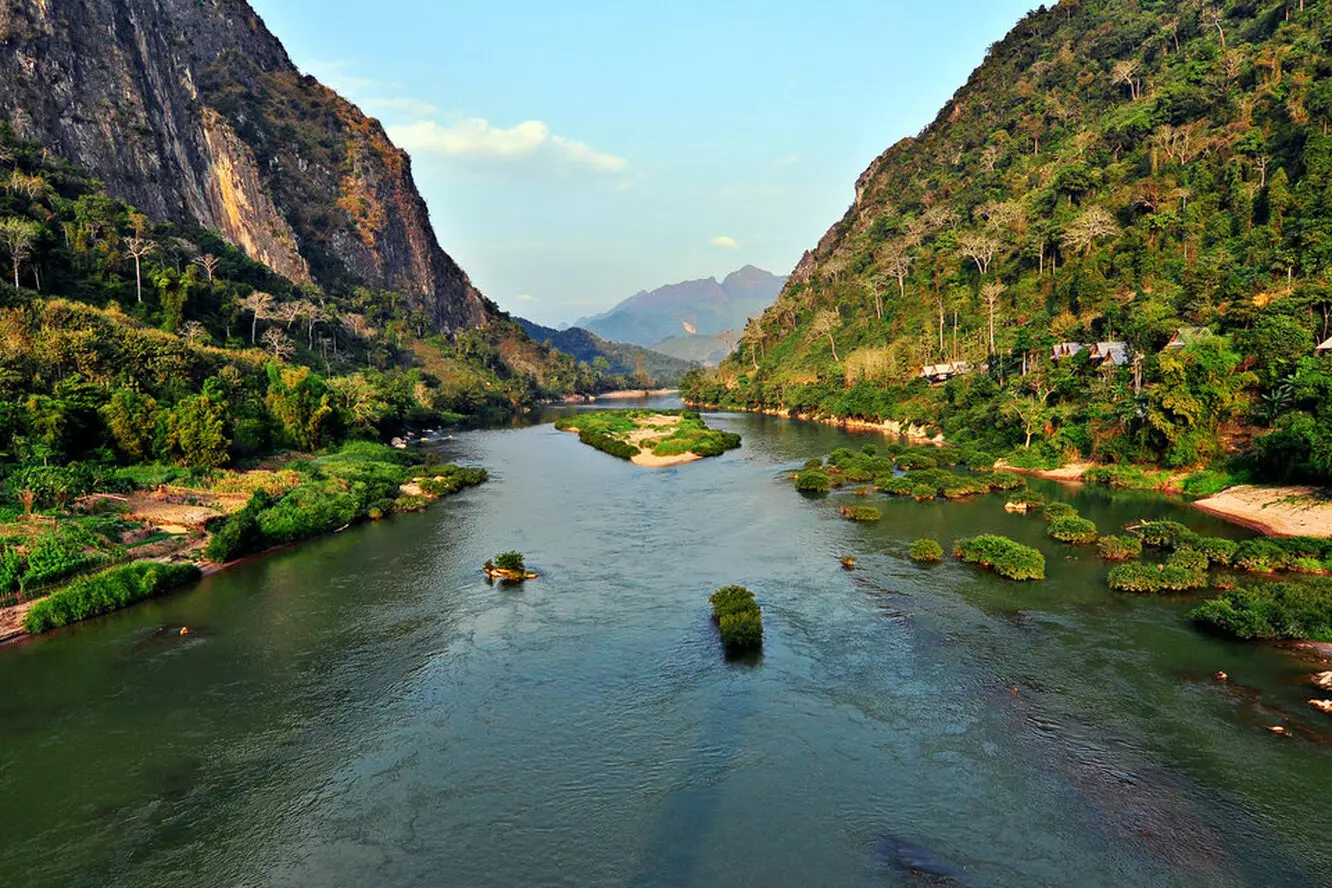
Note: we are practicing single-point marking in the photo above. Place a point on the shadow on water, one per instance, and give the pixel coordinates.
(916, 864)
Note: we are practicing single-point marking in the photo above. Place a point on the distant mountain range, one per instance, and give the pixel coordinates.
(668, 318)
(623, 358)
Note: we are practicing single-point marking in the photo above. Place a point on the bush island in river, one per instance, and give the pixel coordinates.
(1003, 556)
(861, 513)
(738, 617)
(1072, 529)
(665, 433)
(1271, 611)
(926, 550)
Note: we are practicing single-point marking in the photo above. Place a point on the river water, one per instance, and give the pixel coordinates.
(367, 710)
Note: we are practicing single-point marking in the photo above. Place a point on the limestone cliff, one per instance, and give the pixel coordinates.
(192, 111)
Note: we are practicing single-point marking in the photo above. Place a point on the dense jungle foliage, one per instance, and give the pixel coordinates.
(126, 341)
(1152, 174)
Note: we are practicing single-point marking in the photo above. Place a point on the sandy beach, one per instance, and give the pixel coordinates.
(1277, 511)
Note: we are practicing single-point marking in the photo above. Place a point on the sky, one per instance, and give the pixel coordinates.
(575, 153)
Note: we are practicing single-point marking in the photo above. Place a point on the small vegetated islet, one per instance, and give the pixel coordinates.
(1271, 611)
(861, 513)
(1072, 529)
(926, 550)
(1119, 547)
(739, 618)
(1005, 557)
(607, 430)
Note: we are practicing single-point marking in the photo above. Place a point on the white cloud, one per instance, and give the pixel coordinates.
(724, 241)
(786, 161)
(408, 106)
(477, 139)
(526, 297)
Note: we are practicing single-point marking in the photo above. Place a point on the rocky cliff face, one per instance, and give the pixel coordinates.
(192, 111)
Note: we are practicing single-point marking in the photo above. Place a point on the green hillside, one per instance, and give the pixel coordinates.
(124, 340)
(1113, 172)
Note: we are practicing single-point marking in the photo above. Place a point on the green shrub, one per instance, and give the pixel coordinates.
(1004, 556)
(1126, 478)
(607, 444)
(1271, 610)
(1166, 534)
(738, 617)
(1029, 499)
(1188, 559)
(11, 568)
(813, 480)
(1055, 511)
(1005, 481)
(1260, 555)
(105, 592)
(1138, 577)
(510, 561)
(977, 460)
(813, 463)
(915, 460)
(1119, 548)
(896, 485)
(960, 487)
(861, 513)
(924, 492)
(1218, 550)
(239, 534)
(926, 549)
(59, 554)
(1210, 482)
(1072, 530)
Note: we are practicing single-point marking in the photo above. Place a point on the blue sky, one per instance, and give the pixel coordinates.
(575, 153)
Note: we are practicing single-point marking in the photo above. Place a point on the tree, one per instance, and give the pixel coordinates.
(1126, 73)
(208, 262)
(824, 323)
(1082, 234)
(990, 294)
(138, 247)
(258, 304)
(979, 248)
(896, 263)
(279, 343)
(1031, 409)
(193, 332)
(18, 236)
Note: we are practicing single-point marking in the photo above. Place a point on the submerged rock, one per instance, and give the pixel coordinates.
(918, 863)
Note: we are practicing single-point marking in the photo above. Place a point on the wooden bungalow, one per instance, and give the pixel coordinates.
(1186, 336)
(1061, 350)
(944, 372)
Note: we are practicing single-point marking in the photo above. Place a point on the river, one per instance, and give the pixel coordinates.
(366, 710)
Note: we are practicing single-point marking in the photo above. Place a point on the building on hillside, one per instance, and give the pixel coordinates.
(1186, 336)
(944, 372)
(1061, 350)
(1110, 354)
(1324, 348)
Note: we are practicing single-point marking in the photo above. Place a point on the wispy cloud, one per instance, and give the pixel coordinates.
(725, 241)
(477, 139)
(404, 105)
(526, 297)
(786, 161)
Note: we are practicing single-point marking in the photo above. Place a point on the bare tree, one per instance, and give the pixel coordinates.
(979, 248)
(1125, 73)
(990, 157)
(193, 331)
(286, 313)
(139, 247)
(1082, 232)
(896, 262)
(990, 294)
(208, 262)
(754, 336)
(18, 236)
(1261, 163)
(356, 324)
(1213, 18)
(279, 342)
(824, 323)
(258, 304)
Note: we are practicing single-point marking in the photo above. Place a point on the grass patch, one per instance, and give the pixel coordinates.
(861, 513)
(926, 550)
(1271, 611)
(105, 592)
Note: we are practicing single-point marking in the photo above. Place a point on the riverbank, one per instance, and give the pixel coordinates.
(1275, 511)
(912, 433)
(633, 394)
(228, 518)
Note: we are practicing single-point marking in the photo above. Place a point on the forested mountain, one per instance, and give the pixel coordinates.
(126, 340)
(638, 365)
(701, 307)
(1116, 171)
(193, 113)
